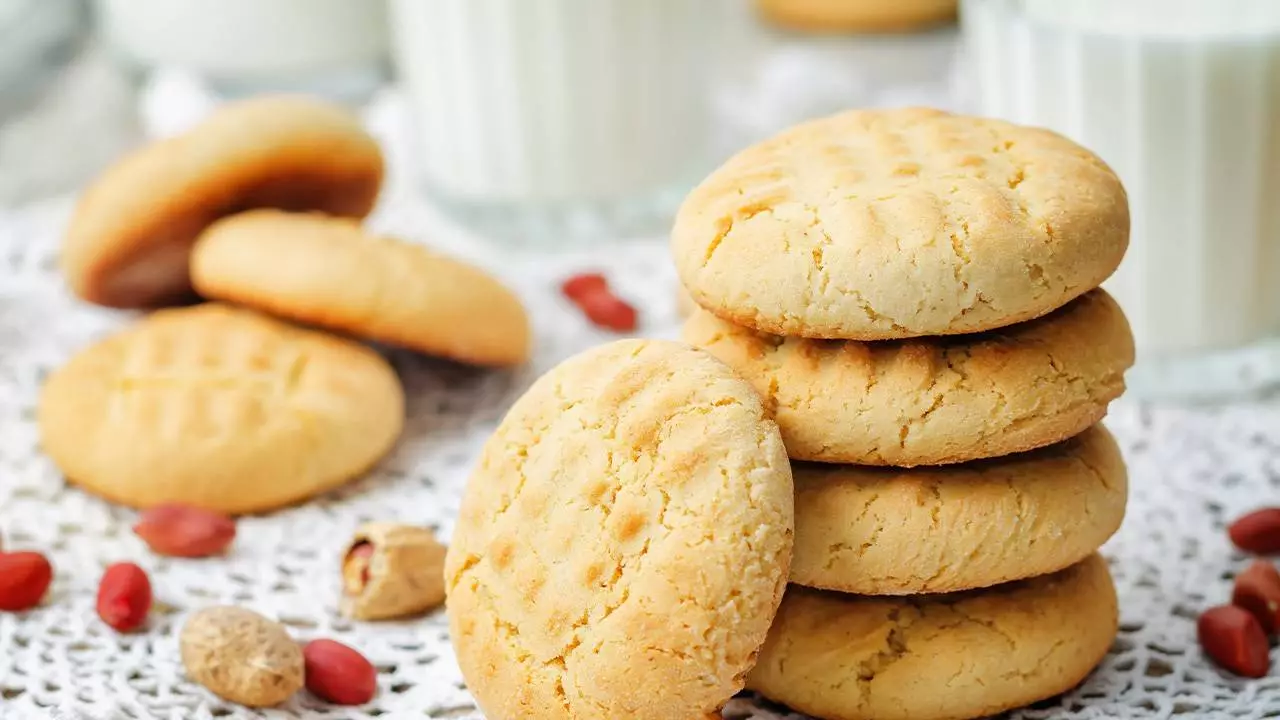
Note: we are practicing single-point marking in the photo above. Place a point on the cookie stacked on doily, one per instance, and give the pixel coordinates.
(915, 296)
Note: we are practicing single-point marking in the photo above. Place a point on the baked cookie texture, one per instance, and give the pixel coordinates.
(624, 543)
(937, 400)
(885, 531)
(328, 272)
(883, 224)
(940, 657)
(130, 236)
(858, 15)
(220, 408)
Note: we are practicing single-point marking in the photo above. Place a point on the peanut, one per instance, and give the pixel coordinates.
(591, 293)
(185, 531)
(24, 579)
(1257, 590)
(241, 656)
(392, 571)
(1234, 639)
(1258, 532)
(339, 674)
(124, 597)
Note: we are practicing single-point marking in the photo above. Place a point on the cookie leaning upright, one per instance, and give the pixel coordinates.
(130, 236)
(219, 408)
(327, 272)
(884, 224)
(624, 543)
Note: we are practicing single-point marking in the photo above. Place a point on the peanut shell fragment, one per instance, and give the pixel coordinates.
(390, 571)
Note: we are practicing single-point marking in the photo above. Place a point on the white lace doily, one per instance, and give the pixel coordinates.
(1191, 471)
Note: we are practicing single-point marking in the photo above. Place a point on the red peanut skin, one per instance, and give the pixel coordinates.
(1258, 532)
(607, 311)
(584, 284)
(185, 531)
(124, 597)
(339, 674)
(24, 579)
(1234, 639)
(1257, 590)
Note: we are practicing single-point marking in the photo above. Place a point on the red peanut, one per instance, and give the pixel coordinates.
(591, 293)
(1235, 640)
(1257, 590)
(24, 579)
(124, 597)
(579, 286)
(339, 674)
(185, 531)
(1258, 532)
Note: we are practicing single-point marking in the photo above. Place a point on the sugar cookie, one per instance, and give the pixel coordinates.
(882, 224)
(130, 237)
(937, 400)
(623, 544)
(219, 408)
(328, 272)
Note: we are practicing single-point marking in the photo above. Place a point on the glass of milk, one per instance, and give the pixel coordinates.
(336, 48)
(1182, 99)
(554, 121)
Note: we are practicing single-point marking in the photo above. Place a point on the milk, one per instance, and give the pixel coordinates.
(546, 106)
(253, 44)
(1182, 99)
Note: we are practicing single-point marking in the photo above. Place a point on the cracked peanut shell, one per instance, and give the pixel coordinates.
(403, 573)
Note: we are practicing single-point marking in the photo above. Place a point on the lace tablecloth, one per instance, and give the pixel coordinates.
(1192, 470)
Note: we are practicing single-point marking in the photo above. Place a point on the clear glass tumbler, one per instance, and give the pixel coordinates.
(552, 121)
(1182, 99)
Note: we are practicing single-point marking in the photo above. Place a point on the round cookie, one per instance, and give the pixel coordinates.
(937, 400)
(885, 531)
(858, 15)
(219, 408)
(940, 657)
(130, 237)
(624, 542)
(328, 272)
(883, 224)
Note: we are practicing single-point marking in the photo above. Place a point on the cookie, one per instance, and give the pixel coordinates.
(885, 531)
(326, 271)
(857, 15)
(622, 547)
(938, 657)
(883, 224)
(131, 234)
(220, 408)
(936, 400)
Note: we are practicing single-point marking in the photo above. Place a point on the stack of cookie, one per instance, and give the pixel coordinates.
(229, 406)
(915, 296)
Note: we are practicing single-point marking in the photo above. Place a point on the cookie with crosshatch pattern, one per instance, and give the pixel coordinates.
(220, 408)
(883, 224)
(330, 273)
(938, 657)
(624, 542)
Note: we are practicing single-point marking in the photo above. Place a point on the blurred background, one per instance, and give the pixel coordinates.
(545, 125)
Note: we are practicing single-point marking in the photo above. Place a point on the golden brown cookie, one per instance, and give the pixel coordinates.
(938, 657)
(328, 272)
(858, 15)
(623, 544)
(130, 237)
(219, 408)
(883, 224)
(935, 400)
(886, 531)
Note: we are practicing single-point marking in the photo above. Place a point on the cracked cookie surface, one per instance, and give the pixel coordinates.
(886, 531)
(328, 272)
(884, 224)
(938, 657)
(933, 401)
(221, 408)
(622, 547)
